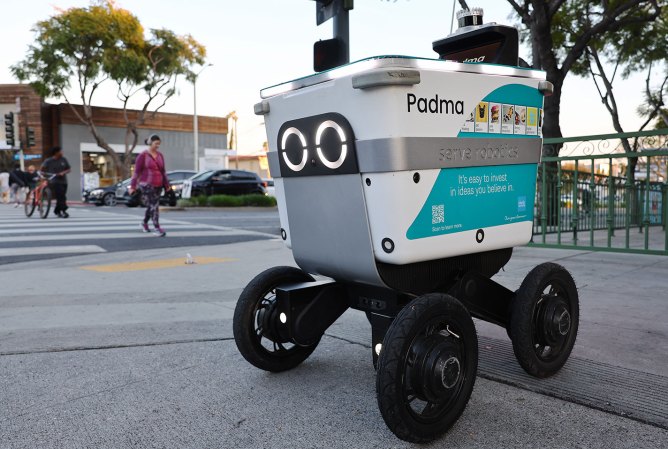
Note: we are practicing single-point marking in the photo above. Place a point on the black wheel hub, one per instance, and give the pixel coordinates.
(436, 367)
(554, 320)
(268, 320)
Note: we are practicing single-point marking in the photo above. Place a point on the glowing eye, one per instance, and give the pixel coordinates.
(287, 133)
(342, 137)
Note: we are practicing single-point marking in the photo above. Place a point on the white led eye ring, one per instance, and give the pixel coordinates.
(287, 133)
(342, 136)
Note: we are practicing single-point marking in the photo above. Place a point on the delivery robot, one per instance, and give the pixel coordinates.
(403, 184)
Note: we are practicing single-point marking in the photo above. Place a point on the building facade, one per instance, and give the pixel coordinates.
(58, 125)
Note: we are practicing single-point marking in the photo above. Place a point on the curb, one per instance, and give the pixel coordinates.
(231, 209)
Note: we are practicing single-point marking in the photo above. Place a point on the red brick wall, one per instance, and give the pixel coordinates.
(45, 118)
(31, 113)
(173, 122)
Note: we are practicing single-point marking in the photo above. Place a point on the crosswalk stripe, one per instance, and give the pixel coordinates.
(47, 238)
(69, 224)
(51, 218)
(22, 236)
(39, 250)
(83, 230)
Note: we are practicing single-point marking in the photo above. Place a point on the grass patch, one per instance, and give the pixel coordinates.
(254, 200)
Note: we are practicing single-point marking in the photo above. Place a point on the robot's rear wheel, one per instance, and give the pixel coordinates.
(258, 329)
(544, 317)
(427, 367)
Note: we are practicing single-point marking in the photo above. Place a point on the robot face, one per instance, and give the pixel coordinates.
(317, 146)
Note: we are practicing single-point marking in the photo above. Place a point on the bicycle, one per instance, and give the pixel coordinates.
(40, 196)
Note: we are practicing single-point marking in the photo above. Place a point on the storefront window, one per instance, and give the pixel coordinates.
(103, 166)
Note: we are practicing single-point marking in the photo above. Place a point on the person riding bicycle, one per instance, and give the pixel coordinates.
(59, 166)
(31, 177)
(17, 181)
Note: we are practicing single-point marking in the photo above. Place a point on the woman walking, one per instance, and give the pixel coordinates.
(150, 176)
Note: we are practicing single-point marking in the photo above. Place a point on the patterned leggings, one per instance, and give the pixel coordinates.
(150, 195)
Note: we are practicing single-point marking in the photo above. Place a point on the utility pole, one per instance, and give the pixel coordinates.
(195, 125)
(233, 141)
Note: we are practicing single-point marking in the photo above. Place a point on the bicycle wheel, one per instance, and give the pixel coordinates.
(45, 203)
(29, 205)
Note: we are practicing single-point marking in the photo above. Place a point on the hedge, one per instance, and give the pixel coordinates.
(255, 200)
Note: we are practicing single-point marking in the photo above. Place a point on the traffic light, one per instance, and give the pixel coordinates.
(30, 137)
(328, 54)
(334, 52)
(9, 129)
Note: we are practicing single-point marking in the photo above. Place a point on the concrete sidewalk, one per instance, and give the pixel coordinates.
(145, 359)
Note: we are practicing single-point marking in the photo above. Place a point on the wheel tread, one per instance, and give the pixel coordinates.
(389, 369)
(243, 321)
(522, 312)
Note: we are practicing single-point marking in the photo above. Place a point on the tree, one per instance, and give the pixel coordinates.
(560, 31)
(103, 43)
(638, 47)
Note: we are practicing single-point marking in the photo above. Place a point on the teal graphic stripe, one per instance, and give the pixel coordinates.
(515, 94)
(464, 199)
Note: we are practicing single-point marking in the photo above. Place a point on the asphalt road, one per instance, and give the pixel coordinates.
(98, 353)
(110, 229)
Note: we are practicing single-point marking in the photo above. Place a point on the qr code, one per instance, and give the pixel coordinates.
(438, 214)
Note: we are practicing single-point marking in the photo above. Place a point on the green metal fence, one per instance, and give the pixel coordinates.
(604, 192)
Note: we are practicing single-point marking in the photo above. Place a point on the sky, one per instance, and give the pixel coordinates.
(253, 44)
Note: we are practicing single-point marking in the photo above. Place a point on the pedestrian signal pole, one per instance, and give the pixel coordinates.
(333, 52)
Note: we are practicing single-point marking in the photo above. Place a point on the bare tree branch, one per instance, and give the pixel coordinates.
(656, 103)
(522, 11)
(74, 110)
(609, 99)
(609, 23)
(167, 97)
(554, 6)
(94, 88)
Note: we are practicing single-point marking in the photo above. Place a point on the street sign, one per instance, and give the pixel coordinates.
(326, 9)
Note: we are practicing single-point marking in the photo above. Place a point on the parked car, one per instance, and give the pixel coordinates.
(226, 182)
(176, 179)
(269, 185)
(118, 193)
(107, 196)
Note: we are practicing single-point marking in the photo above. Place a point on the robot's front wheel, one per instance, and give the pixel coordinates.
(427, 367)
(544, 317)
(258, 330)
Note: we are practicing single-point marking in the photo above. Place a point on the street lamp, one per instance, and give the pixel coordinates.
(195, 130)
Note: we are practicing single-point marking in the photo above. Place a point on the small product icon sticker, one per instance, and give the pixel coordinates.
(495, 118)
(507, 118)
(520, 120)
(469, 124)
(482, 117)
(532, 121)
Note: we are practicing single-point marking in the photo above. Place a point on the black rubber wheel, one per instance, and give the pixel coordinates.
(109, 199)
(45, 203)
(427, 367)
(29, 206)
(258, 332)
(544, 319)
